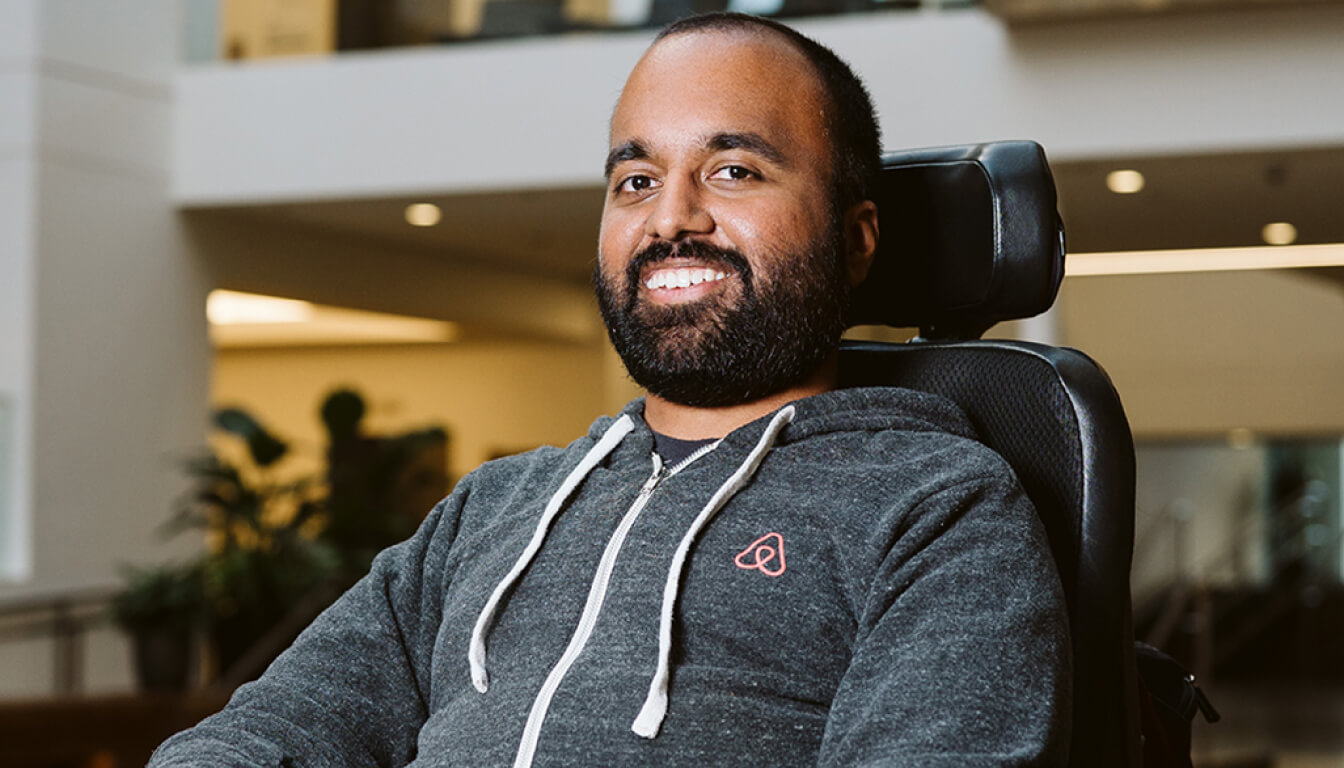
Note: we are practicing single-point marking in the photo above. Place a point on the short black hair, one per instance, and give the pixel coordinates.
(856, 145)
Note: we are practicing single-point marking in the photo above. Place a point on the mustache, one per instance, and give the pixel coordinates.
(690, 249)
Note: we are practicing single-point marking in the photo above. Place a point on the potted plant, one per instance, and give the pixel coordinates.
(160, 609)
(263, 551)
(280, 548)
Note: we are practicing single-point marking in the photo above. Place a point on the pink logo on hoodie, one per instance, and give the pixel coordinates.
(765, 554)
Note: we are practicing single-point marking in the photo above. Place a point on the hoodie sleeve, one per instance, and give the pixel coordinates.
(962, 653)
(353, 687)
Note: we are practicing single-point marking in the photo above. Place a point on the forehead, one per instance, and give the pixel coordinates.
(703, 83)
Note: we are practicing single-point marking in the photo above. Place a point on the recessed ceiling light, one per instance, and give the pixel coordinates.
(1124, 182)
(423, 214)
(1279, 233)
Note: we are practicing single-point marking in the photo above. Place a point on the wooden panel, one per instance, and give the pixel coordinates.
(96, 732)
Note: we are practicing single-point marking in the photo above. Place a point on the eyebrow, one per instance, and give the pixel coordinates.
(752, 142)
(719, 142)
(630, 150)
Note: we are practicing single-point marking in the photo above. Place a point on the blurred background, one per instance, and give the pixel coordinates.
(275, 273)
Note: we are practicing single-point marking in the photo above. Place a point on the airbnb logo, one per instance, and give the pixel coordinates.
(765, 554)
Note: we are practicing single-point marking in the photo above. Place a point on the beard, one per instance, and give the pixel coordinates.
(752, 338)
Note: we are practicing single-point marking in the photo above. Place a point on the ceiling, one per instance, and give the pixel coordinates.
(1191, 201)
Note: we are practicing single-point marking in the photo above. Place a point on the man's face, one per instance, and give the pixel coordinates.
(721, 257)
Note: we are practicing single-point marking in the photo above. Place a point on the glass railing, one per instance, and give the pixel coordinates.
(252, 29)
(1237, 556)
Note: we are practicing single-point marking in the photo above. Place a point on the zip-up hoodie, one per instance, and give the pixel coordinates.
(853, 580)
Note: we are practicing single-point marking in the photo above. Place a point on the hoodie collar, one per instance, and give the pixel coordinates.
(839, 410)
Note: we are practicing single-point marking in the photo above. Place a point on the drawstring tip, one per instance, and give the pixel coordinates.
(650, 718)
(476, 663)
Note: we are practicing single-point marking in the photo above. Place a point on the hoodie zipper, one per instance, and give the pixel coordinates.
(592, 608)
(596, 595)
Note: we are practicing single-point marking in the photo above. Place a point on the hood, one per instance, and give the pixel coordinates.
(841, 410)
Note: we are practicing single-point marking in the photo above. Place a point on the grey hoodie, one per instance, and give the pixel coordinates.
(851, 581)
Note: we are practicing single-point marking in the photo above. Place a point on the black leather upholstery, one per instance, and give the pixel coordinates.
(1050, 412)
(970, 237)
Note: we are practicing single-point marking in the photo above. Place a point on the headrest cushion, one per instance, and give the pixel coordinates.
(968, 236)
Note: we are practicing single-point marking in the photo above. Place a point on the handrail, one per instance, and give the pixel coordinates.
(65, 617)
(38, 603)
(1189, 592)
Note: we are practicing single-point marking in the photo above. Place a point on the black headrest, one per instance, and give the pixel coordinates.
(969, 236)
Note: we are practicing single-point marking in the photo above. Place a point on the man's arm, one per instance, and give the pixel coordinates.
(962, 654)
(353, 689)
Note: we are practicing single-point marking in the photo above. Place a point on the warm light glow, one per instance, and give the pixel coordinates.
(252, 320)
(234, 308)
(1279, 233)
(1124, 182)
(1204, 260)
(1240, 438)
(423, 214)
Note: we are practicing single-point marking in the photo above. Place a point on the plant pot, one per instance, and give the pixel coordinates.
(162, 658)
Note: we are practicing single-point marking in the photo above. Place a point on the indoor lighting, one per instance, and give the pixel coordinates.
(423, 214)
(1204, 260)
(1279, 233)
(1124, 182)
(1240, 438)
(234, 308)
(240, 320)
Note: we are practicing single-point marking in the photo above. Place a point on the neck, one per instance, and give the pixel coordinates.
(689, 422)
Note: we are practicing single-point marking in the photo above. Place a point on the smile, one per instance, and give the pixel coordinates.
(682, 277)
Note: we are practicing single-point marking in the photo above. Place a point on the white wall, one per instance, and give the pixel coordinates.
(1199, 354)
(18, 103)
(532, 114)
(104, 345)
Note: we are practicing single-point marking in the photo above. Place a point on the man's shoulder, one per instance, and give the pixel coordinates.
(510, 467)
(895, 437)
(879, 409)
(544, 458)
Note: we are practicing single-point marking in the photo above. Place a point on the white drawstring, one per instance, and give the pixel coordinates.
(476, 653)
(651, 715)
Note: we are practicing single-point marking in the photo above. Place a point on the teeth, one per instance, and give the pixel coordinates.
(682, 277)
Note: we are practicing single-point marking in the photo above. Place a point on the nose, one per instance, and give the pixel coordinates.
(678, 211)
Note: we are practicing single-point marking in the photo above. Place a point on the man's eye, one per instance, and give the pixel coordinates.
(635, 184)
(734, 173)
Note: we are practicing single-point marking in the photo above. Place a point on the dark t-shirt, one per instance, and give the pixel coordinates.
(674, 450)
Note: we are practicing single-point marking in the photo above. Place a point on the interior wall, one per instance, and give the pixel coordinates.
(1202, 353)
(120, 360)
(16, 304)
(494, 397)
(104, 351)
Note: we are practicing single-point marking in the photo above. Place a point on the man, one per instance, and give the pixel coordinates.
(746, 566)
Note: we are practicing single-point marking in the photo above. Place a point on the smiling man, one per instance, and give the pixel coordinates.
(744, 567)
(730, 239)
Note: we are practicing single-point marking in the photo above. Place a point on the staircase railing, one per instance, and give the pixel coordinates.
(66, 619)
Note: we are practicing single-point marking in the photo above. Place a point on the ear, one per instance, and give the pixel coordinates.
(860, 239)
